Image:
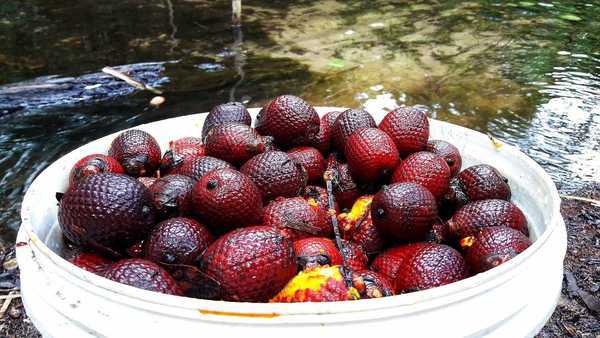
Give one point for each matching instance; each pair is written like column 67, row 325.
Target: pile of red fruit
column 298, row 208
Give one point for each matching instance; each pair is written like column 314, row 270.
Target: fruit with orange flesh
column 357, row 226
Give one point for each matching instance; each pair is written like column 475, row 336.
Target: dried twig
column 134, row 83
column 7, row 300
column 582, row 199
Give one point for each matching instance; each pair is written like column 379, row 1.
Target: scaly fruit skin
column 347, row 123
column 107, row 210
column 91, row 262
column 388, row 262
column 295, row 218
column 276, row 174
column 320, row 284
column 172, row 195
column 225, row 199
column 371, row 284
column 483, row 181
column 357, row 226
column 453, row 199
column 94, row 164
column 404, row 211
column 408, row 127
column 345, row 188
column 426, row 169
column 448, row 152
column 322, row 140
column 486, row 213
column 314, row 163
column 428, row 265
column 180, row 151
column 177, row 240
column 143, row 274
column 355, row 257
column 137, row 151
column 371, row 154
column 235, row 143
column 289, row 119
column 147, row 181
column 251, row 264
column 493, row 246
column 316, row 251
column 227, row 112
column 200, row 166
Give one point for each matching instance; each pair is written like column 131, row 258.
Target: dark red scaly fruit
column 438, row 233
column 317, row 196
column 483, row 181
column 345, row 188
column 322, row 140
column 91, row 262
column 180, row 151
column 177, row 240
column 426, row 169
column 486, row 213
column 172, row 195
column 357, row 226
column 106, row 211
column 448, row 152
column 225, row 199
column 429, row 265
column 289, row 119
column 147, row 181
column 408, row 127
column 371, row 154
column 94, row 164
column 226, row 112
column 137, row 151
column 354, row 255
column 347, row 123
column 371, row 284
column 250, row 264
column 276, row 174
column 295, row 218
column 404, row 211
column 200, row 166
column 493, row 246
column 314, row 163
column 388, row 262
column 315, row 251
column 453, row 200
column 235, row 143
column 143, row 274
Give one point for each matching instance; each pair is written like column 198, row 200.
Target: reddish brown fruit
column 225, row 199
column 317, row 196
column 371, row 154
column 404, row 211
column 448, row 152
column 316, row 251
column 312, row 160
column 177, row 241
column 172, row 196
column 276, row 174
column 483, row 181
column 296, row 218
column 147, row 181
column 388, row 262
column 137, row 151
column 486, row 213
column 408, row 127
column 426, row 169
column 371, row 284
column 438, row 233
column 94, row 164
column 319, row 284
column 91, row 262
column 347, row 123
column 250, row 264
column 106, row 211
column 180, row 151
column 200, row 166
column 428, row 265
column 345, row 188
column 453, row 200
column 289, row 119
column 223, row 113
column 354, row 256
column 143, row 274
column 322, row 140
column 493, row 246
column 235, row 143
column 357, row 226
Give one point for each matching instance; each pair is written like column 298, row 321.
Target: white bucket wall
column 512, row 300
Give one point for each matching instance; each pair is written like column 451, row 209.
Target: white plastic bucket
column 512, row 300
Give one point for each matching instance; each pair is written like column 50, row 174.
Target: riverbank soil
column 577, row 313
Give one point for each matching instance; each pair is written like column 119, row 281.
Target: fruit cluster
column 298, row 208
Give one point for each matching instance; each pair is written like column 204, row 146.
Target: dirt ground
column 577, row 313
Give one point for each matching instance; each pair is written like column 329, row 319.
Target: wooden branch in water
column 236, row 13
column 129, row 80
